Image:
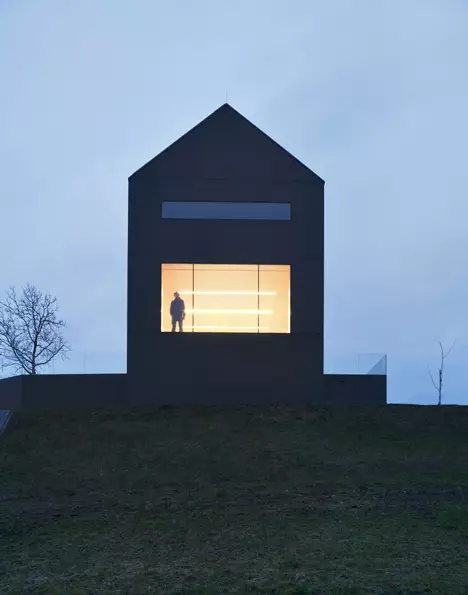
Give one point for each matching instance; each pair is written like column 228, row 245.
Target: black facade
column 225, row 158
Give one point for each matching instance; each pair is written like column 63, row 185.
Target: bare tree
column 30, row 330
column 443, row 356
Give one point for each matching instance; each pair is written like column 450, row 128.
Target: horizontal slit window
column 270, row 211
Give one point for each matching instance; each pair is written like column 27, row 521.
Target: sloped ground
column 209, row 500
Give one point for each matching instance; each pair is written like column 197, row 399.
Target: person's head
column 176, row 295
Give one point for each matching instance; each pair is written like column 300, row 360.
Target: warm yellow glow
column 244, row 328
column 263, row 312
column 228, row 298
column 183, row 292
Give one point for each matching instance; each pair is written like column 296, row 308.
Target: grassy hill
column 210, row 500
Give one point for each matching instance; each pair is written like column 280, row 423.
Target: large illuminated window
column 228, row 298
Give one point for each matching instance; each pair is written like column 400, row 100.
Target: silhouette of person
column 177, row 312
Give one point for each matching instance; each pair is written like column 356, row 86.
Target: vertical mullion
column 258, row 299
column 193, row 298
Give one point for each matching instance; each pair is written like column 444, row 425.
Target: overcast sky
column 371, row 94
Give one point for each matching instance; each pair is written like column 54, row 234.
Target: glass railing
column 80, row 363
column 374, row 364
column 116, row 363
column 89, row 363
column 5, row 415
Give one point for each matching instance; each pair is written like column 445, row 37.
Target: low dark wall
column 270, row 392
column 345, row 389
column 274, row 390
column 73, row 391
column 112, row 390
column 10, row 392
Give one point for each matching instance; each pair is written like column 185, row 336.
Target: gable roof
column 227, row 145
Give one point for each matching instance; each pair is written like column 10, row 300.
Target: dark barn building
column 235, row 224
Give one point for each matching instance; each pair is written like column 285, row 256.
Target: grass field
column 209, row 500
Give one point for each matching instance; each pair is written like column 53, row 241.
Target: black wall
column 74, row 390
column 11, row 392
column 51, row 391
column 275, row 387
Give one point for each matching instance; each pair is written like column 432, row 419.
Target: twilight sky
column 372, row 96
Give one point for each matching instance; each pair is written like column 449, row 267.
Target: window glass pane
column 226, row 210
column 175, row 277
column 274, row 297
column 226, row 298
